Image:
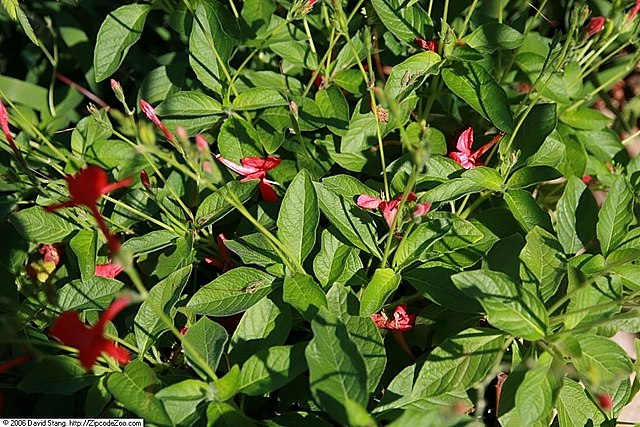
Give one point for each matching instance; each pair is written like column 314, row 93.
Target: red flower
column 86, row 187
column 390, row 209
column 90, row 341
column 634, row 11
column 430, row 45
column 225, row 263
column 109, row 270
column 464, row 156
column 4, row 124
column 150, row 112
column 402, row 321
column 50, row 254
column 256, row 168
column 596, row 24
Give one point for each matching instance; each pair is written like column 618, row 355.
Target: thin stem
column 468, row 18
column 141, row 214
column 312, row 46
column 405, row 195
column 86, row 92
column 630, row 138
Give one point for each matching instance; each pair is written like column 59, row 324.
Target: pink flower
column 402, row 321
column 634, row 11
column 50, row 254
column 109, row 270
column 90, row 341
column 150, row 112
column 4, row 124
column 256, row 168
column 225, row 263
column 596, row 24
column 464, row 156
column 430, row 45
column 390, row 209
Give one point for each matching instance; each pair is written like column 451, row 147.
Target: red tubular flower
column 150, row 112
column 464, row 156
column 634, row 11
column 225, row 263
column 4, row 124
column 430, row 45
column 402, row 321
column 86, row 187
column 596, row 24
column 109, row 270
column 90, row 341
column 390, row 209
column 256, row 168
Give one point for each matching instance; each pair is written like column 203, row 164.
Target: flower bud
column 596, row 24
column 117, row 90
column 202, row 144
column 144, row 179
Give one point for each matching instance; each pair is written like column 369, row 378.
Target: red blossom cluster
column 401, row 321
column 464, row 156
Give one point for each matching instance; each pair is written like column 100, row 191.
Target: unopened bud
column 202, row 144
column 144, row 179
column 206, row 166
column 117, row 90
column 383, row 115
column 150, row 112
column 596, row 24
column 604, row 400
column 293, row 107
column 183, row 136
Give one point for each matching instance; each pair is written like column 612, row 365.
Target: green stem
column 396, row 220
column 141, row 214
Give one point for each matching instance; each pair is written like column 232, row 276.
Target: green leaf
column 214, row 29
column 58, row 375
column 459, row 363
column 334, row 108
column 214, row 207
column 603, row 364
column 304, row 294
column 337, row 262
column 150, row 242
column 417, row 245
column 526, row 210
column 194, row 111
column 615, row 216
column 84, row 246
column 356, row 225
column 410, row 74
column 360, row 133
column 134, row 388
column 238, row 139
column 383, row 283
column 531, row 175
column 208, row 339
column 529, row 394
column 38, row 226
column 120, row 30
column 111, row 153
column 94, row 293
column 272, row 368
column 471, row 82
column 452, row 189
column 576, row 231
column 265, row 324
column 347, row 186
column 543, row 263
column 254, row 249
column 585, row 118
column 162, row 297
column 89, row 129
column 299, row 216
column 489, row 178
column 537, row 125
column 575, row 408
column 10, row 6
column 228, row 386
column 493, row 36
column 181, row 400
column 222, row 414
column 337, row 371
column 232, row 292
column 406, row 23
column 257, row 98
column 26, row 26
column 509, row 306
column 433, row 280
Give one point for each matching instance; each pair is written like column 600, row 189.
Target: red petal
column 463, row 160
column 267, row 191
column 87, row 186
column 389, row 212
column 112, row 311
column 108, row 270
column 259, row 163
column 421, row 209
column 465, row 141
column 71, row 331
column 242, row 170
column 380, row 320
column 367, row 202
column 118, row 353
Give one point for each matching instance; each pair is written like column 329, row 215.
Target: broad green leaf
column 603, row 364
column 272, row 368
column 257, row 98
column 356, row 225
column 162, row 297
column 417, row 245
column 194, row 111
column 208, row 339
column 150, row 242
column 24, row 93
column 181, row 400
column 111, row 153
column 531, row 175
column 529, row 394
column 575, row 408
column 509, row 307
column 576, row 216
column 433, row 280
column 604, row 144
column 615, row 216
column 471, row 82
column 334, row 109
column 38, row 226
column 214, row 34
column 543, row 263
column 299, row 216
column 238, row 139
column 97, row 398
column 161, row 82
column 350, row 80
column 585, row 118
column 228, row 386
column 406, row 23
column 84, row 246
column 94, row 293
column 493, row 36
column 337, row 371
column 223, row 414
column 120, row 30
column 254, row 249
column 526, row 210
column 347, row 186
column 459, row 363
column 453, row 189
column 383, row 283
column 11, row 6
column 265, row 324
column 361, row 132
column 537, row 125
column 232, row 292
column 296, row 52
column 337, row 262
column 214, row 207
column 489, row 178
column 410, row 74
column 89, row 129
column 304, row 294
column 56, row 374
column 134, row 388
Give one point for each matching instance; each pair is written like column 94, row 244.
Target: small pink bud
column 182, row 133
column 383, row 115
column 202, row 144
column 4, row 124
column 634, row 11
column 150, row 112
column 596, row 24
column 293, row 107
column 207, row 167
column 117, row 90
